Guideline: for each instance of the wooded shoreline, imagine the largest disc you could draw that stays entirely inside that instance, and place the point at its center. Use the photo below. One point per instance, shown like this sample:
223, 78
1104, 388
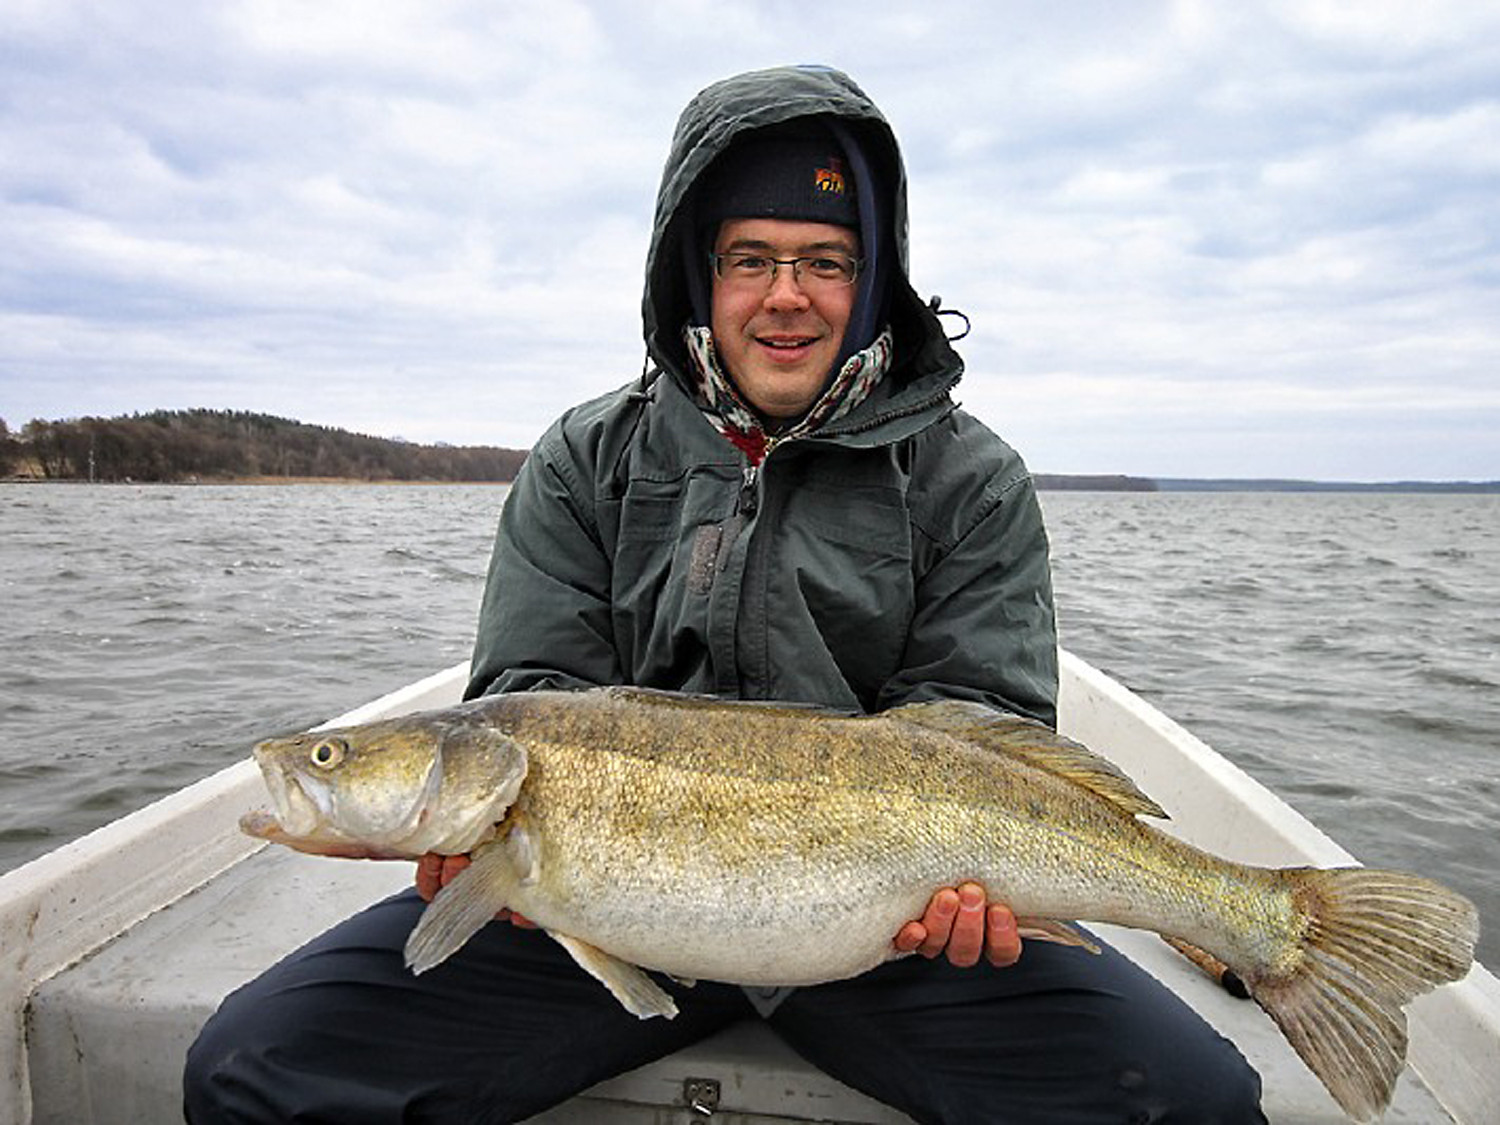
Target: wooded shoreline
220, 447
187, 446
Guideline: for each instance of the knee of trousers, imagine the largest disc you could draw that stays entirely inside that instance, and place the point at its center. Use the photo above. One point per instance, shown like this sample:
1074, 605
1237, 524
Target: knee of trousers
213, 1069
1204, 1080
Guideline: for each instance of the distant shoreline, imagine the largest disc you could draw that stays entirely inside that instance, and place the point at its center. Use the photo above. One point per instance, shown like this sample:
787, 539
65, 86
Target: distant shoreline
1435, 487
249, 482
1045, 482
222, 447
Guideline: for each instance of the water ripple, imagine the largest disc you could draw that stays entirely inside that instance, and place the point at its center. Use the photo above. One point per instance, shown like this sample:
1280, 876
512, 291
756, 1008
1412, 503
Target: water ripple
1344, 649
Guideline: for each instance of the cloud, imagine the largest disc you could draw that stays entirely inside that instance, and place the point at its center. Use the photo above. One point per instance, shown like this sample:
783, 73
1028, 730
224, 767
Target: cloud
1186, 233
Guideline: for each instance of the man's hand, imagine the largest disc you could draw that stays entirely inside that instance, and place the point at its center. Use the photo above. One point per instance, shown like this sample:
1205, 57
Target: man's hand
960, 922
434, 872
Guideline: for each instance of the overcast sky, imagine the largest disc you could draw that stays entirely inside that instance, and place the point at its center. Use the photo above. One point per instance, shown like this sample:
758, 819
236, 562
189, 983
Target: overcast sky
1195, 239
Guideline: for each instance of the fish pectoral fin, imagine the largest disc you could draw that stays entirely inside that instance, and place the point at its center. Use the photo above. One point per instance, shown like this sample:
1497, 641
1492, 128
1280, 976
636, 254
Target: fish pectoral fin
1058, 933
461, 909
629, 984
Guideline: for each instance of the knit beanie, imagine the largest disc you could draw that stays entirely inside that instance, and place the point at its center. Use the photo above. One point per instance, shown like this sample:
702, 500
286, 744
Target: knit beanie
801, 176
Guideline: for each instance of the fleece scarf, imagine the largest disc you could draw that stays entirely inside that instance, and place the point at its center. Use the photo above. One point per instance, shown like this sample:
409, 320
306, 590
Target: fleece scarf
728, 413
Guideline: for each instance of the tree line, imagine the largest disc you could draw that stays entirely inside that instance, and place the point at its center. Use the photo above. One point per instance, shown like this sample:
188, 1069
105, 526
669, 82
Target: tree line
183, 445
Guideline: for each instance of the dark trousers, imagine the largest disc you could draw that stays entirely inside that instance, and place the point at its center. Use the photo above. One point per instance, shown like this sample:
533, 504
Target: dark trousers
340, 1031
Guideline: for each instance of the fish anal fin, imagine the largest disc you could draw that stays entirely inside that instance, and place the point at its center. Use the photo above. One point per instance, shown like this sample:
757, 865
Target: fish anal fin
1038, 745
474, 896
638, 993
1051, 930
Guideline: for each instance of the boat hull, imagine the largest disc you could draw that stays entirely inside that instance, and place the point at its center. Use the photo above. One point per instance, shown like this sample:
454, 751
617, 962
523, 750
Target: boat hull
202, 909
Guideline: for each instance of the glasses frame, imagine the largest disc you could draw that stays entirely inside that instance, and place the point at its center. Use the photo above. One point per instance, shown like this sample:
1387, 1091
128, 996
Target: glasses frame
858, 265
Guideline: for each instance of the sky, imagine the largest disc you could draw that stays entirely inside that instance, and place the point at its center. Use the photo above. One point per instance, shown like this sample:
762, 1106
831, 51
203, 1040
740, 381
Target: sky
1194, 239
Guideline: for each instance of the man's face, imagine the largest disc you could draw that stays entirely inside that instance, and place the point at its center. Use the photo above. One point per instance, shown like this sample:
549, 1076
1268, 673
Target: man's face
778, 340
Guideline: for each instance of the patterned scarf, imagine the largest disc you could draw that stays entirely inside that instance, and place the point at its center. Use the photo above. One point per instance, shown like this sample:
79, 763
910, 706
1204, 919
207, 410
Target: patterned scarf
727, 412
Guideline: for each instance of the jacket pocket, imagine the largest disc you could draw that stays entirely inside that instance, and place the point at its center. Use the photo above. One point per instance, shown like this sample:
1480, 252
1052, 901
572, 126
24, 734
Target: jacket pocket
666, 555
845, 570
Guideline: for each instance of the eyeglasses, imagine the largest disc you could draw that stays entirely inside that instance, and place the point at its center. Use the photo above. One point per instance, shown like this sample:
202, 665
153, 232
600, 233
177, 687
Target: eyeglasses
831, 270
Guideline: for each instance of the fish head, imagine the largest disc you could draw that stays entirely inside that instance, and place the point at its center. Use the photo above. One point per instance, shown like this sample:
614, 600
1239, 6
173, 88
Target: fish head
395, 788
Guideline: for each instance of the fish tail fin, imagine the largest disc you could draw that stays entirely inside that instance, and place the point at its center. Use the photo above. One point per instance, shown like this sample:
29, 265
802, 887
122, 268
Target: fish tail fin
1372, 941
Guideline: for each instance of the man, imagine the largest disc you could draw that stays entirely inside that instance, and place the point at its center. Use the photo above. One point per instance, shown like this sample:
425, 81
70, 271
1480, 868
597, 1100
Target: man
787, 506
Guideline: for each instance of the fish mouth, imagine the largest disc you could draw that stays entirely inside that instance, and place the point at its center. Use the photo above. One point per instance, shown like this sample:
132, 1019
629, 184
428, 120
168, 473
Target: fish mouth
264, 826
297, 812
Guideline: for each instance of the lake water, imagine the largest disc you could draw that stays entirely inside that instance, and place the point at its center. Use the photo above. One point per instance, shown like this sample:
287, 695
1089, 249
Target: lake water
1344, 649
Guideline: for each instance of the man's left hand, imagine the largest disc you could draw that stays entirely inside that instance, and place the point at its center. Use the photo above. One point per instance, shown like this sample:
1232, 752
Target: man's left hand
959, 922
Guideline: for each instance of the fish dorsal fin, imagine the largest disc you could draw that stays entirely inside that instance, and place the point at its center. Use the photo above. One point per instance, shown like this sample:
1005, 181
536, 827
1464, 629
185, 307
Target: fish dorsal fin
1034, 743
661, 697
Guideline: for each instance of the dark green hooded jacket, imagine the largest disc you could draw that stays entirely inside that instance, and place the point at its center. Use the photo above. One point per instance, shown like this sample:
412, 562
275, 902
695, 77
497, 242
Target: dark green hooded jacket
897, 554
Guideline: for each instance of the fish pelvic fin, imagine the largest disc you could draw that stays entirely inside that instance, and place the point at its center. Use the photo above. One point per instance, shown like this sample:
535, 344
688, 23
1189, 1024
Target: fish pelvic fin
1373, 940
1034, 743
1054, 931
638, 993
461, 909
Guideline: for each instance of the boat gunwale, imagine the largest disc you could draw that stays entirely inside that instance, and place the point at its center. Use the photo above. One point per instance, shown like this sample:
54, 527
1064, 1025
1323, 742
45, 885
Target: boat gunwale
61, 907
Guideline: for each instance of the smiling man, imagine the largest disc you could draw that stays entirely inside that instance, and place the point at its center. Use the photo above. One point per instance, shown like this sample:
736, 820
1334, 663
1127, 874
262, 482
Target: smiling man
787, 505
782, 294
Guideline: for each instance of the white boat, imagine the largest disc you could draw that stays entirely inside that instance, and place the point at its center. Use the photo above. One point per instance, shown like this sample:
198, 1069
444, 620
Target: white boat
115, 948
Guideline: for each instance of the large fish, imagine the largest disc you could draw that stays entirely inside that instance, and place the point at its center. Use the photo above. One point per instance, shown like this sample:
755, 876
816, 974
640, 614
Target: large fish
639, 828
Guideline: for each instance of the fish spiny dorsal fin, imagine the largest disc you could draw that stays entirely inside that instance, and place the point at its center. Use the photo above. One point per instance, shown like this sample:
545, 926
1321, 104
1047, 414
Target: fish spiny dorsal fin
659, 697
1032, 742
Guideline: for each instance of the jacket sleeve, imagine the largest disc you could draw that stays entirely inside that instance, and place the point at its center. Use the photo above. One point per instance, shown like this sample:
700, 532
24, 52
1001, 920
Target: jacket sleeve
983, 625
545, 619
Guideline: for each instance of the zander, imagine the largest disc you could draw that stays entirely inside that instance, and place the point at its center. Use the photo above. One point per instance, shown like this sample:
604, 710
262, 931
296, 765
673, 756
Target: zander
639, 828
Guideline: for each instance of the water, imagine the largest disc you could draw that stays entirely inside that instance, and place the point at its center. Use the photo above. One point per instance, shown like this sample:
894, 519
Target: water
149, 635
1344, 649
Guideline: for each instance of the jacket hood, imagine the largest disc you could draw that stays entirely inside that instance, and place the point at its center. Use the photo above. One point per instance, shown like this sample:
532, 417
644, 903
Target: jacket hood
727, 110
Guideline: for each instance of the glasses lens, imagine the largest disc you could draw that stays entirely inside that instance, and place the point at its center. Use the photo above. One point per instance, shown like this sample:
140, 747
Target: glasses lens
829, 269
743, 267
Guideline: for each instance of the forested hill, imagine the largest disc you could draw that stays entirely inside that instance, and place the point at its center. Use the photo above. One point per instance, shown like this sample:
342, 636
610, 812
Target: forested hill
183, 445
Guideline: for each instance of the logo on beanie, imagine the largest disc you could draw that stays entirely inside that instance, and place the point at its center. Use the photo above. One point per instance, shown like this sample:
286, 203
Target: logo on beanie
830, 179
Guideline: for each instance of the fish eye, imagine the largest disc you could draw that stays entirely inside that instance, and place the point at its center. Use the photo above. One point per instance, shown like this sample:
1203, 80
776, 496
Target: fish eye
328, 753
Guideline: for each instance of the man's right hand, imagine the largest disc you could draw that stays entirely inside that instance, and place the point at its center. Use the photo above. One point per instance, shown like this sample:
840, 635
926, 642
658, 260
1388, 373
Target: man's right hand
434, 872
960, 923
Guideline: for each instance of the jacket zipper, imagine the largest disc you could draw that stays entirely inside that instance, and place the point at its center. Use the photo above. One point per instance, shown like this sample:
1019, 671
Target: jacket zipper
747, 501
749, 497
